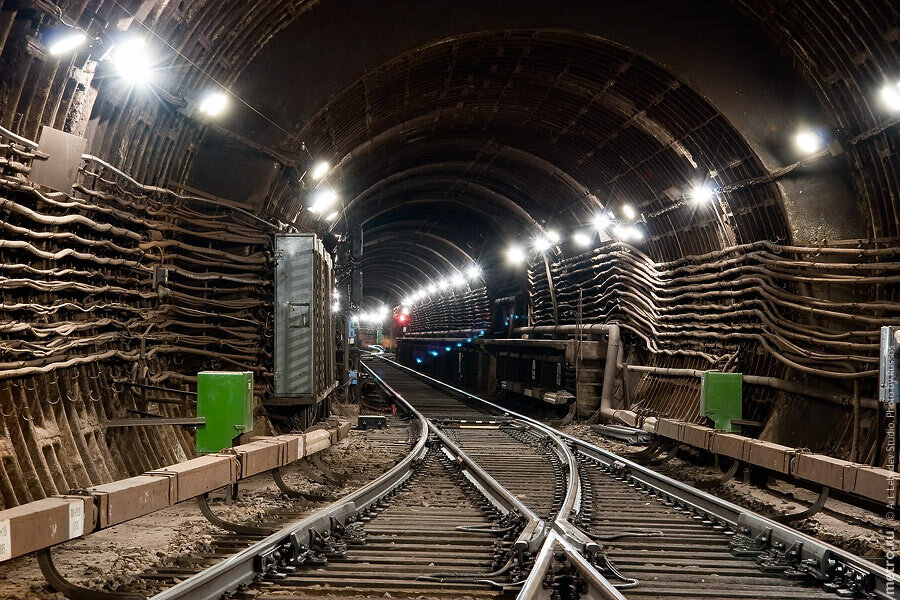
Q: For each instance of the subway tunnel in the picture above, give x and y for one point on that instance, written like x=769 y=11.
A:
x=718 y=180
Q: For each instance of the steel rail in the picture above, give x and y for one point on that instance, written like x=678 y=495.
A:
x=535 y=530
x=561 y=531
x=572 y=499
x=599 y=588
x=818 y=556
x=244 y=567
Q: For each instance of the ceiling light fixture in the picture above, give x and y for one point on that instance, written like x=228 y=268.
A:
x=542 y=244
x=602 y=221
x=581 y=239
x=628 y=233
x=702 y=193
x=808 y=141
x=213 y=104
x=131 y=60
x=516 y=255
x=66 y=42
x=322 y=200
x=319 y=170
x=890 y=96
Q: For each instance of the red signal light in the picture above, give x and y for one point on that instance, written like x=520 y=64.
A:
x=402 y=318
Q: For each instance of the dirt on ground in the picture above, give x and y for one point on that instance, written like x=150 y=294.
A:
x=844 y=525
x=115 y=558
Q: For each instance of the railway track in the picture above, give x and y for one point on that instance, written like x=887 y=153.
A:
x=492 y=504
x=658 y=541
x=292 y=507
x=435 y=527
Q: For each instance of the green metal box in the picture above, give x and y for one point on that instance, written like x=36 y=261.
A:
x=720 y=399
x=225 y=400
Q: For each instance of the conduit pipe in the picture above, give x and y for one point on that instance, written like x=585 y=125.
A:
x=772 y=382
x=159 y=190
x=445 y=332
x=18 y=138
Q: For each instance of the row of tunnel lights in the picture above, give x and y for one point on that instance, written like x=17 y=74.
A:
x=808 y=141
x=133 y=63
x=436 y=353
x=459 y=279
x=624 y=229
x=375 y=316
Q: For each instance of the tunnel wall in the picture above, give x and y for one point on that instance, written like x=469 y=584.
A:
x=463 y=310
x=113 y=286
x=834 y=58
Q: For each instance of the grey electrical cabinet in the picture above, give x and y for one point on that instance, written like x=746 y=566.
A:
x=304 y=326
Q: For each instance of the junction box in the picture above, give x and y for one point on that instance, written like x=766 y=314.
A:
x=720 y=399
x=304 y=321
x=225 y=400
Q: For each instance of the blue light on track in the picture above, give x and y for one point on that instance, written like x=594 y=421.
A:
x=447 y=348
x=419 y=360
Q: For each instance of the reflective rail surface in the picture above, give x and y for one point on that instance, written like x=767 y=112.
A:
x=662 y=538
x=490 y=503
x=291 y=544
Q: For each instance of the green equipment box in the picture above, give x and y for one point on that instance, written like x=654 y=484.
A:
x=225 y=400
x=721 y=400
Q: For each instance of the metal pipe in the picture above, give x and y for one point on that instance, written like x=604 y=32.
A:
x=552 y=289
x=447 y=332
x=153 y=188
x=772 y=382
x=18 y=138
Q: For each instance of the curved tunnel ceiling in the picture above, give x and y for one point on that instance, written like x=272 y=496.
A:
x=507 y=121
x=536 y=128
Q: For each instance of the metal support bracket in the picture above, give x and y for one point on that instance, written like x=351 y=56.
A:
x=650 y=451
x=657 y=460
x=238 y=528
x=722 y=479
x=327 y=471
x=570 y=415
x=807 y=512
x=295 y=493
x=75 y=592
x=310 y=474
